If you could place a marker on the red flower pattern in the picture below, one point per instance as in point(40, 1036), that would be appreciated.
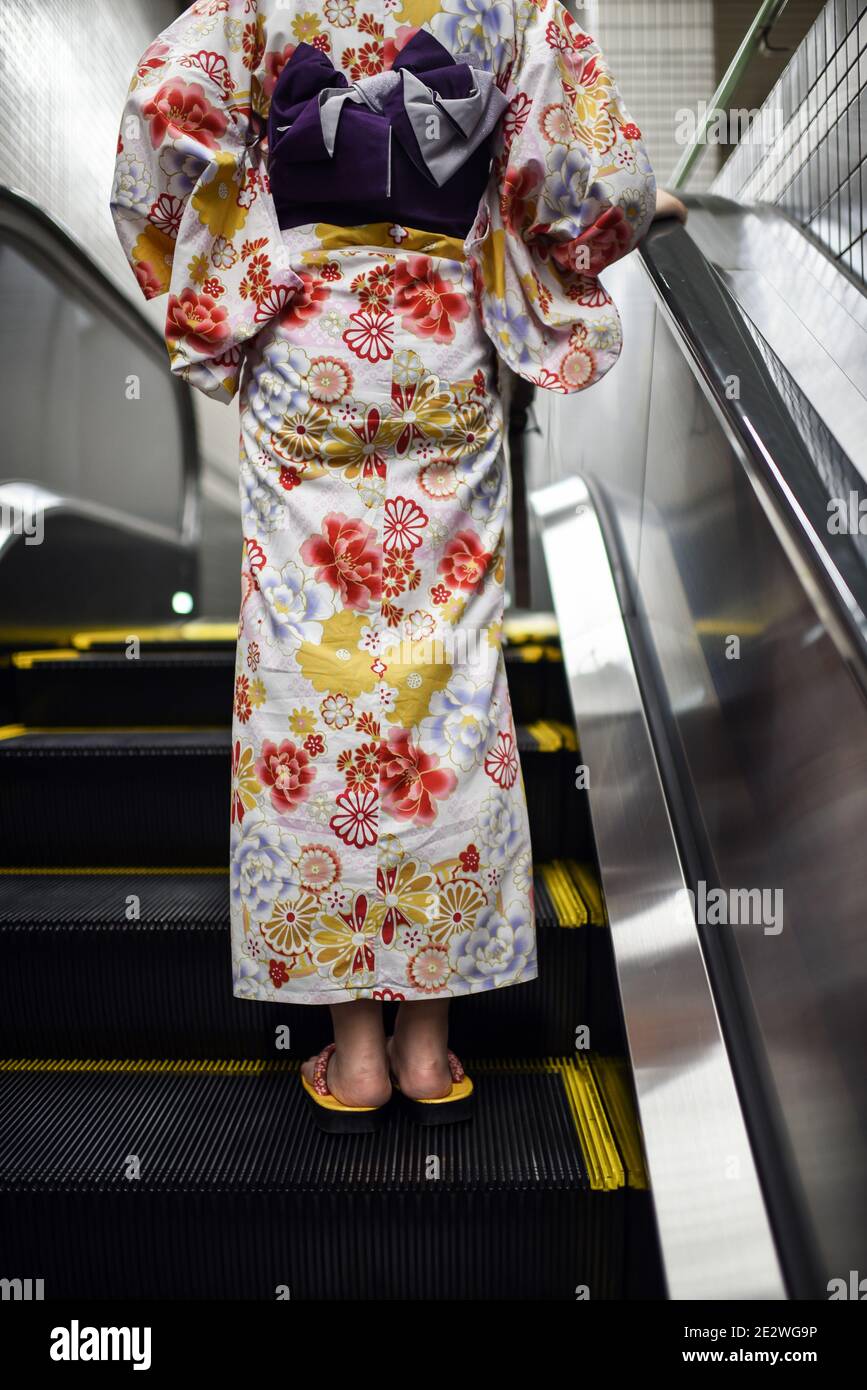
point(464, 561)
point(181, 108)
point(347, 557)
point(501, 763)
point(198, 320)
point(412, 780)
point(429, 305)
point(286, 770)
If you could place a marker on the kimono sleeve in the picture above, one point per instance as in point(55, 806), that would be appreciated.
point(191, 200)
point(571, 190)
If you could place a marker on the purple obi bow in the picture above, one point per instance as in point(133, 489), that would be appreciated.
point(387, 146)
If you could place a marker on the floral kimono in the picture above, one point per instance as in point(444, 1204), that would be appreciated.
point(353, 208)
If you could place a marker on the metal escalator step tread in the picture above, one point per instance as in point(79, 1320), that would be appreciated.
point(600, 1143)
point(81, 662)
point(168, 899)
point(196, 897)
point(79, 974)
point(20, 740)
point(246, 1129)
point(544, 736)
point(543, 902)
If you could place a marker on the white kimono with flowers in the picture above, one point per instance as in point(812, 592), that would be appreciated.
point(380, 845)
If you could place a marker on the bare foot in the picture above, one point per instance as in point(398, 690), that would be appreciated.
point(355, 1079)
point(422, 1070)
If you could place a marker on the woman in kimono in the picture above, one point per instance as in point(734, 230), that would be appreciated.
point(354, 206)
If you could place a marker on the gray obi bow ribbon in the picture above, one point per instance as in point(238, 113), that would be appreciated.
point(441, 110)
point(447, 129)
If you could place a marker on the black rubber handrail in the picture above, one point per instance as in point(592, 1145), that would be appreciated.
point(759, 419)
point(43, 239)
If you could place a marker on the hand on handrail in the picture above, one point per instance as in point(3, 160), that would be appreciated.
point(667, 205)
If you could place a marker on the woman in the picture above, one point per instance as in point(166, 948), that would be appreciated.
point(351, 207)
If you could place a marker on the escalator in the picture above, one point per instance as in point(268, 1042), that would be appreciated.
point(631, 1140)
point(133, 1050)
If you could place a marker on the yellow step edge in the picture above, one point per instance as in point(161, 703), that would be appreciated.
point(547, 739)
point(586, 881)
point(528, 645)
point(598, 1144)
point(552, 735)
point(10, 731)
point(65, 869)
point(532, 627)
point(729, 627)
point(612, 1074)
point(567, 733)
point(223, 1067)
point(568, 903)
point(24, 660)
point(533, 652)
point(14, 636)
point(195, 631)
point(604, 1163)
point(530, 651)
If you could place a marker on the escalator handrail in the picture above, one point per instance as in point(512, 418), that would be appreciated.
point(712, 332)
point(42, 238)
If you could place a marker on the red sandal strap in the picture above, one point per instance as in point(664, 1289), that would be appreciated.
point(455, 1067)
point(320, 1070)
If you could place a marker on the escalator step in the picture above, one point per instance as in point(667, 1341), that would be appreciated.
point(80, 975)
point(115, 796)
point(175, 682)
point(179, 1181)
point(127, 795)
point(91, 688)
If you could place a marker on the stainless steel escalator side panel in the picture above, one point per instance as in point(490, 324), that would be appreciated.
point(713, 1227)
point(768, 747)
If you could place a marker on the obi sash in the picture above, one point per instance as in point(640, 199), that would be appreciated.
point(410, 145)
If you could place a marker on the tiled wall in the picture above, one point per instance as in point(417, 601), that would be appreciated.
point(662, 55)
point(816, 171)
point(64, 69)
